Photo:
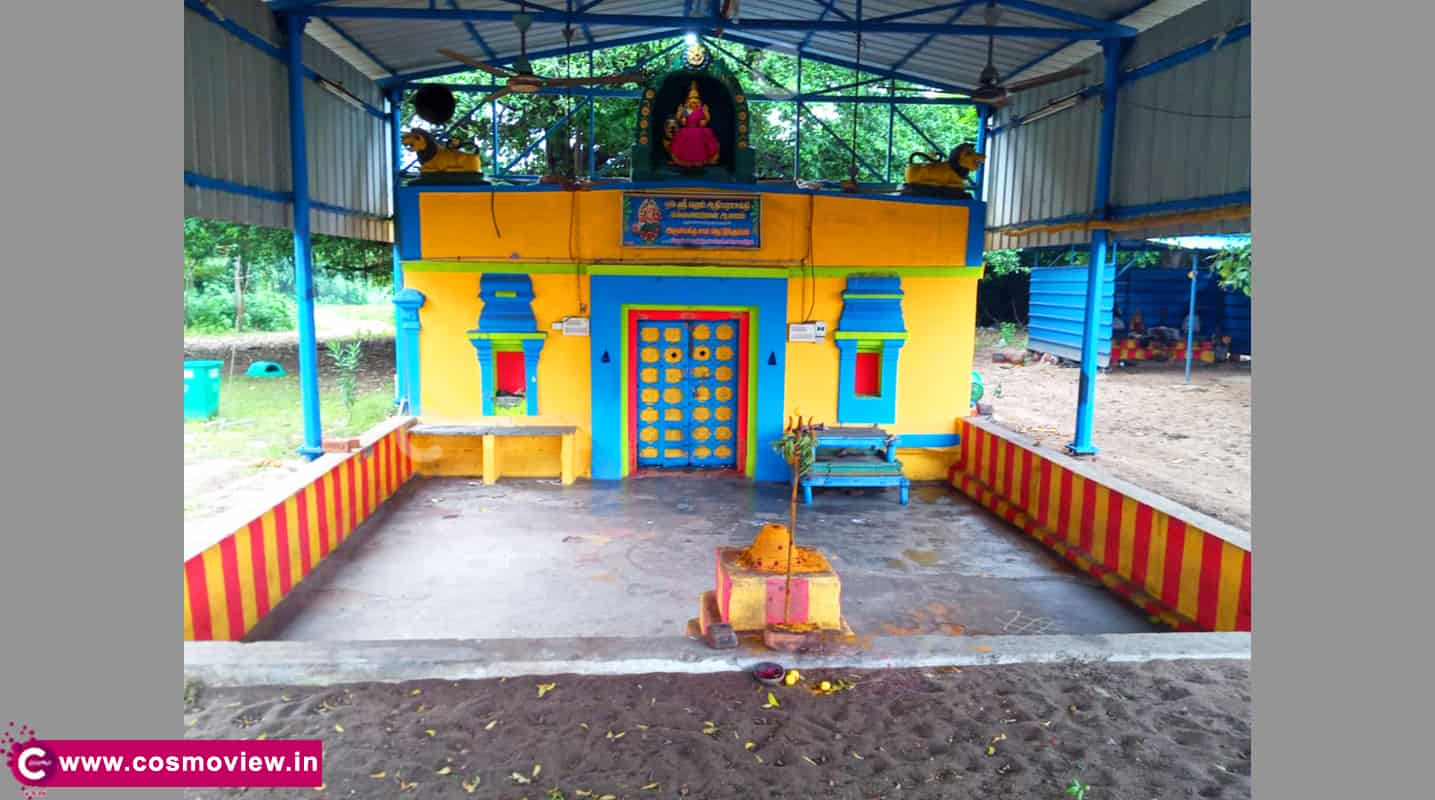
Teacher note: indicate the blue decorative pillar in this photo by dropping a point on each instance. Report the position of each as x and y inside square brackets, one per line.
[406, 348]
[303, 250]
[486, 371]
[531, 349]
[1096, 268]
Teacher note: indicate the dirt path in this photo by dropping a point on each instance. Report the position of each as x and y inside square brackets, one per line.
[1189, 443]
[1132, 732]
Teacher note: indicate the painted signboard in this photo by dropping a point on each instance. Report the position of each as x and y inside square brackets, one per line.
[692, 220]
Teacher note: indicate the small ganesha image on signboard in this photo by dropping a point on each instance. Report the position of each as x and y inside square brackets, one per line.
[650, 219]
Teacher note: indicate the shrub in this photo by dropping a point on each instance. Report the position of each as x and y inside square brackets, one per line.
[211, 310]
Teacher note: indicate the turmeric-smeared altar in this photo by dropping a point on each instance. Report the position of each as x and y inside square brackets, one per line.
[768, 553]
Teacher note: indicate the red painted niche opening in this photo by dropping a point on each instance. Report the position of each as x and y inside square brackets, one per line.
[510, 378]
[867, 381]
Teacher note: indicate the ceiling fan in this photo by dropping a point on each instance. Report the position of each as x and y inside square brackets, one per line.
[521, 80]
[991, 91]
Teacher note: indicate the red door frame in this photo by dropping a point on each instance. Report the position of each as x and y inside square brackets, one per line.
[659, 315]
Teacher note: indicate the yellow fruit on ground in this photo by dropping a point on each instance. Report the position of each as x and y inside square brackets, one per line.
[793, 676]
[825, 686]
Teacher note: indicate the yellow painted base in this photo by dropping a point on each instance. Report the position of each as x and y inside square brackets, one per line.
[750, 600]
[491, 457]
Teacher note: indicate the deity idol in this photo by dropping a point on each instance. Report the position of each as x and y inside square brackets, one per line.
[694, 144]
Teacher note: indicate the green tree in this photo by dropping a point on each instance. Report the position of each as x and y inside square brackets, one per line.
[1232, 266]
[827, 128]
[239, 254]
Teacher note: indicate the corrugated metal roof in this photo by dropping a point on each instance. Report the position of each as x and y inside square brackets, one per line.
[1183, 135]
[383, 47]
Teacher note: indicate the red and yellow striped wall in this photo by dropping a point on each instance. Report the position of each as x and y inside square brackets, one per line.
[1188, 570]
[232, 584]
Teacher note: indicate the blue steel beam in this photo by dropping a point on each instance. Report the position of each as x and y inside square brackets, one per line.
[474, 35]
[439, 72]
[1051, 12]
[743, 64]
[749, 24]
[1081, 444]
[303, 247]
[956, 15]
[247, 36]
[919, 12]
[1167, 62]
[838, 138]
[826, 9]
[362, 49]
[1053, 51]
[533, 145]
[935, 147]
[763, 44]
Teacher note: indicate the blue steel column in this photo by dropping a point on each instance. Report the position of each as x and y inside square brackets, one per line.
[303, 251]
[1096, 268]
[402, 391]
[496, 168]
[797, 148]
[979, 179]
[592, 125]
[1191, 316]
[891, 125]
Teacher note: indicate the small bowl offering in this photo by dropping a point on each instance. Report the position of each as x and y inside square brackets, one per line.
[769, 673]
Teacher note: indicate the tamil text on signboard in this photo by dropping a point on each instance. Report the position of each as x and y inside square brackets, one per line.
[690, 220]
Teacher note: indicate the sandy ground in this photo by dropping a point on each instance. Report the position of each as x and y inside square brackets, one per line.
[1131, 732]
[1189, 443]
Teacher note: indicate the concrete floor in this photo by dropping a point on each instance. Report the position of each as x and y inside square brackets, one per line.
[452, 558]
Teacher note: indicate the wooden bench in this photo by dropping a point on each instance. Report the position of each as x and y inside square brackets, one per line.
[870, 460]
[491, 433]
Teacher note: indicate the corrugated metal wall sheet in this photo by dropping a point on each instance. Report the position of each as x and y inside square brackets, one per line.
[1162, 296]
[1058, 305]
[237, 130]
[1182, 134]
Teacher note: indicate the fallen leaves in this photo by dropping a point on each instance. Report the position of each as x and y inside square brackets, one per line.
[710, 728]
[617, 736]
[651, 787]
[520, 778]
[471, 786]
[430, 732]
[771, 701]
[416, 693]
[537, 768]
[809, 760]
[545, 688]
[378, 775]
[992, 747]
[339, 728]
[749, 745]
[490, 726]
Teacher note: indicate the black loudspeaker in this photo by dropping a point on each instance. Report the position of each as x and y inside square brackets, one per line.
[434, 104]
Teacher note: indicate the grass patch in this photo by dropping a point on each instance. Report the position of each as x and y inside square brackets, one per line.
[261, 418]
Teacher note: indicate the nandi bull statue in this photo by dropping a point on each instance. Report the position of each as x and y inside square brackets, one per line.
[943, 177]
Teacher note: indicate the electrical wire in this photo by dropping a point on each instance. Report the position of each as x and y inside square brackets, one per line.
[1179, 113]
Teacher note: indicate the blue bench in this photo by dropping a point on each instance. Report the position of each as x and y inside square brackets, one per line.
[855, 457]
